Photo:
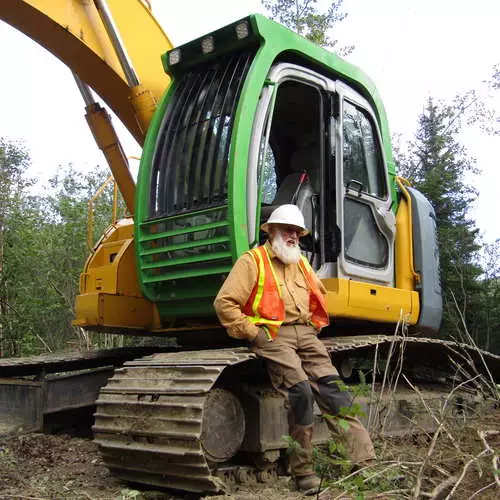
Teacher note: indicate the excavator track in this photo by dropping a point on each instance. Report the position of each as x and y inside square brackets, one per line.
[150, 415]
[158, 420]
[445, 355]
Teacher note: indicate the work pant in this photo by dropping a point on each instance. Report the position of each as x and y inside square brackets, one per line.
[301, 370]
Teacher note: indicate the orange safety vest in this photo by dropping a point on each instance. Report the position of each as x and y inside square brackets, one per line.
[266, 308]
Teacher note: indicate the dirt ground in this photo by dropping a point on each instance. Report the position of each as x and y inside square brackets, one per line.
[42, 466]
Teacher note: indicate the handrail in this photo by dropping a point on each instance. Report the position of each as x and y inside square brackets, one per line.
[90, 209]
[401, 181]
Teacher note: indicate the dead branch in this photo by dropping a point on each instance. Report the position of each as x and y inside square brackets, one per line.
[393, 378]
[44, 343]
[432, 414]
[473, 344]
[442, 489]
[441, 427]
[430, 451]
[372, 393]
[484, 488]
[385, 494]
[483, 435]
[486, 451]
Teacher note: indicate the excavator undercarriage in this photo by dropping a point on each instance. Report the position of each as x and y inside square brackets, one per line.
[200, 420]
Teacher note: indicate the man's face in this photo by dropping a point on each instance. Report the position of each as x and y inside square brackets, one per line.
[290, 234]
[285, 242]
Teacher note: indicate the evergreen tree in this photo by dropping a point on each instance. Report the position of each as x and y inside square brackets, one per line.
[488, 314]
[437, 165]
[304, 17]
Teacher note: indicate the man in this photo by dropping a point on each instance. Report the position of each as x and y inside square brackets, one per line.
[274, 299]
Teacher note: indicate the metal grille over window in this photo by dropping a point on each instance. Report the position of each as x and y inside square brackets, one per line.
[190, 164]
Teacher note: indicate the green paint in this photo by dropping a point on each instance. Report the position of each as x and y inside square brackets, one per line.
[183, 259]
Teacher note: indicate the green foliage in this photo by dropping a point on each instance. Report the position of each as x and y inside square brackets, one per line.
[43, 250]
[487, 315]
[440, 167]
[292, 444]
[304, 17]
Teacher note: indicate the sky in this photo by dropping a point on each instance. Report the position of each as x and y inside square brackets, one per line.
[412, 49]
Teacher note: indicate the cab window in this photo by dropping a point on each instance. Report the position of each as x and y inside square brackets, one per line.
[363, 165]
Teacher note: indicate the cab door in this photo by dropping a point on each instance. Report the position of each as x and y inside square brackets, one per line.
[364, 215]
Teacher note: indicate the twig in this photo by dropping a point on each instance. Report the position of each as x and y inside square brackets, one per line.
[388, 377]
[430, 451]
[441, 427]
[473, 344]
[441, 470]
[452, 439]
[372, 393]
[441, 488]
[484, 488]
[380, 472]
[44, 343]
[390, 492]
[487, 450]
[483, 436]
[352, 474]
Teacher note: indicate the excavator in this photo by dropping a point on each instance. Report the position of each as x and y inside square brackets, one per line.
[233, 124]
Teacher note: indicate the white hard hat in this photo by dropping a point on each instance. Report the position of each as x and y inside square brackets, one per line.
[289, 215]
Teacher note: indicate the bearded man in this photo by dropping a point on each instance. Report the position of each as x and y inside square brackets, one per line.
[274, 299]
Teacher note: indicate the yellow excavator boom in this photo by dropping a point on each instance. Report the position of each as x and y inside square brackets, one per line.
[114, 46]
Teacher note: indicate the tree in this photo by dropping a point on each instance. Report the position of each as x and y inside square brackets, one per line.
[14, 161]
[303, 17]
[438, 166]
[43, 248]
[488, 314]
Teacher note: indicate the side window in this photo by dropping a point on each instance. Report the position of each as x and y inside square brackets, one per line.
[363, 242]
[362, 154]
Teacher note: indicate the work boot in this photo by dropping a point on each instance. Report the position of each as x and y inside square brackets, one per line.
[308, 485]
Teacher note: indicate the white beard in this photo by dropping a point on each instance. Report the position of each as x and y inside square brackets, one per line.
[287, 254]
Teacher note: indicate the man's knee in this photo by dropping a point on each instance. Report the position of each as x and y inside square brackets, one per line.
[301, 401]
[332, 394]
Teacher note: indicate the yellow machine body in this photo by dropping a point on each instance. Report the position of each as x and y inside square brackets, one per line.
[110, 297]
[109, 290]
[74, 32]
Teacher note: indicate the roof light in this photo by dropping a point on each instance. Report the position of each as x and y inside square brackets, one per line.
[174, 56]
[207, 44]
[242, 30]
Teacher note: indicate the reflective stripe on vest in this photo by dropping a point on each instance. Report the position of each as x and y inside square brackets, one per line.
[265, 306]
[317, 302]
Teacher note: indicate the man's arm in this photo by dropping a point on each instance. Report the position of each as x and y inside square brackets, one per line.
[233, 296]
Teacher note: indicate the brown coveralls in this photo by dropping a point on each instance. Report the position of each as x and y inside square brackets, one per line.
[297, 362]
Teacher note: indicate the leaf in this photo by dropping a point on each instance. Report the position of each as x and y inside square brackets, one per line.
[343, 424]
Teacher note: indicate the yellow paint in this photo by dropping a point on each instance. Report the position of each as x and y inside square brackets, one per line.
[105, 136]
[365, 301]
[73, 31]
[102, 310]
[406, 277]
[109, 290]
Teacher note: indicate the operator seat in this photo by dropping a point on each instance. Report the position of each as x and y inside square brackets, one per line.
[305, 159]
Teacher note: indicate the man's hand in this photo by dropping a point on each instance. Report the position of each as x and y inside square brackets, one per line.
[262, 338]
